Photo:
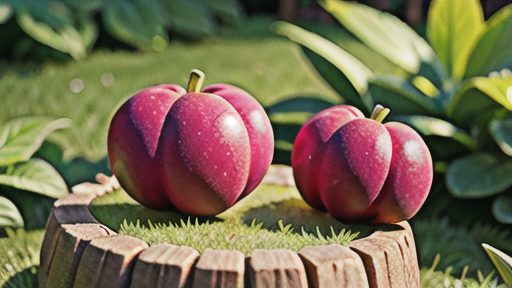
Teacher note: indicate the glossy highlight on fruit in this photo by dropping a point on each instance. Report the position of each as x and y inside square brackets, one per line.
[359, 170]
[197, 151]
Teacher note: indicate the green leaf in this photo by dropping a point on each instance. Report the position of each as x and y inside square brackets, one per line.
[355, 71]
[492, 51]
[228, 11]
[430, 126]
[479, 175]
[401, 96]
[138, 23]
[502, 208]
[191, 19]
[52, 23]
[36, 176]
[453, 28]
[9, 214]
[478, 98]
[384, 33]
[502, 262]
[501, 131]
[22, 137]
[6, 12]
[337, 34]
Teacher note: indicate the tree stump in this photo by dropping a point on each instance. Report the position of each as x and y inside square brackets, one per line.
[77, 251]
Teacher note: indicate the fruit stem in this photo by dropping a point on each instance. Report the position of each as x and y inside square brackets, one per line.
[379, 113]
[195, 82]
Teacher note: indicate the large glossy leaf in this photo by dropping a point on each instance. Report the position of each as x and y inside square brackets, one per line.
[453, 27]
[501, 131]
[9, 214]
[337, 34]
[6, 12]
[355, 71]
[479, 175]
[192, 19]
[478, 98]
[385, 34]
[502, 208]
[402, 97]
[52, 23]
[36, 176]
[502, 262]
[138, 23]
[493, 51]
[20, 138]
[429, 126]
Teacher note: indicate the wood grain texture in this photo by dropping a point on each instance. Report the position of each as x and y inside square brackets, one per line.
[405, 240]
[164, 266]
[278, 268]
[220, 269]
[71, 243]
[382, 260]
[108, 262]
[333, 266]
[70, 209]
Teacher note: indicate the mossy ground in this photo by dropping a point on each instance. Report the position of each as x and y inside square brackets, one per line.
[270, 217]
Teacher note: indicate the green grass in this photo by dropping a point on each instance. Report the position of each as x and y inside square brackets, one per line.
[268, 67]
[19, 258]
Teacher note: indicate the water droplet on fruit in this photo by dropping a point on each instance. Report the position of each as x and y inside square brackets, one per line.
[152, 97]
[198, 133]
[228, 153]
[184, 123]
[225, 174]
[309, 157]
[154, 112]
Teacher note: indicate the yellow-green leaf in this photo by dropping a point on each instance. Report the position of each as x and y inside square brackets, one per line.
[22, 137]
[356, 72]
[502, 261]
[36, 176]
[493, 52]
[478, 98]
[453, 27]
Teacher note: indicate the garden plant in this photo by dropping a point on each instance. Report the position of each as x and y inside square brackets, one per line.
[417, 91]
[455, 89]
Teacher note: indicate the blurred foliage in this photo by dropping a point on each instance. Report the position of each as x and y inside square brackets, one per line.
[19, 258]
[27, 184]
[72, 27]
[430, 277]
[455, 89]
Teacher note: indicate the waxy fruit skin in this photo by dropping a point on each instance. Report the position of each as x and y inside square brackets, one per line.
[359, 170]
[198, 152]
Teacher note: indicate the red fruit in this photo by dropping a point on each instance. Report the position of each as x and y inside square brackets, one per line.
[360, 170]
[200, 152]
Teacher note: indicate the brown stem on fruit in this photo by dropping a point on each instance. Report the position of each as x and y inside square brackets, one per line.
[379, 113]
[195, 82]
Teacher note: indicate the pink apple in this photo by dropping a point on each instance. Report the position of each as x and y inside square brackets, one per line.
[360, 170]
[199, 152]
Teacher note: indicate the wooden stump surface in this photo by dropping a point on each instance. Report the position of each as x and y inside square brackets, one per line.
[77, 251]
